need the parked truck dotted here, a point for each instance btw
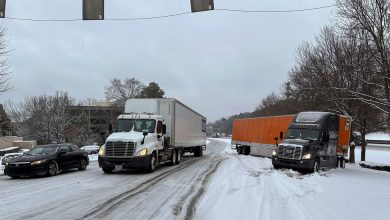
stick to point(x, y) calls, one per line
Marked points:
point(152, 132)
point(308, 141)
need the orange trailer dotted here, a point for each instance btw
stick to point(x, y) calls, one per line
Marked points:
point(260, 133)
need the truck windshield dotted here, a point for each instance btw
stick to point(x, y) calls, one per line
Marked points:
point(140, 125)
point(306, 134)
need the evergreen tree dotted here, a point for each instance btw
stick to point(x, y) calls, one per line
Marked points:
point(5, 123)
point(153, 90)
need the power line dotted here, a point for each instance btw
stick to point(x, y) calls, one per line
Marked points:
point(275, 11)
point(171, 15)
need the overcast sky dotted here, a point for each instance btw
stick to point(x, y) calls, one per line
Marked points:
point(219, 63)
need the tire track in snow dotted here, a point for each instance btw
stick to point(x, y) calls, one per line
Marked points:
point(191, 208)
point(179, 205)
point(107, 207)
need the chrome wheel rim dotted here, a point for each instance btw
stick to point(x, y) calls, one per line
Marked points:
point(52, 169)
point(83, 164)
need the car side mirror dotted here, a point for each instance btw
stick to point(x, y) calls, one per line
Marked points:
point(164, 129)
point(62, 152)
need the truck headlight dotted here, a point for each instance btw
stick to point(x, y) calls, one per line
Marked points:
point(274, 153)
point(102, 150)
point(37, 162)
point(142, 152)
point(306, 157)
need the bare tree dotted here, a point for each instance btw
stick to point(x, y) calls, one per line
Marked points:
point(118, 92)
point(43, 117)
point(5, 74)
point(335, 74)
point(372, 19)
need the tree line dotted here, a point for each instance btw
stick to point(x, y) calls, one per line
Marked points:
point(45, 117)
point(346, 70)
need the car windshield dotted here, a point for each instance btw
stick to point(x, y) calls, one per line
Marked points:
point(306, 134)
point(47, 150)
point(140, 125)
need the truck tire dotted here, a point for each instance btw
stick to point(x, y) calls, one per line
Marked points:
point(173, 157)
point(178, 156)
point(246, 150)
point(316, 166)
point(108, 169)
point(152, 163)
point(276, 167)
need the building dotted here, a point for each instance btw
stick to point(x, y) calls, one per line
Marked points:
point(101, 115)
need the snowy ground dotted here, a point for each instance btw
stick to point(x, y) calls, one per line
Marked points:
point(221, 185)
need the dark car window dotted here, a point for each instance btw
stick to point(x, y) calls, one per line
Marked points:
point(74, 148)
point(66, 148)
point(48, 150)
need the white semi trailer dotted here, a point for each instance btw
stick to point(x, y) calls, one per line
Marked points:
point(152, 132)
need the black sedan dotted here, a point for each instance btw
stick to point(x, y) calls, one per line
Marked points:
point(47, 160)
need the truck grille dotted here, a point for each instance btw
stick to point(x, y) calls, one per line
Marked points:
point(290, 152)
point(119, 149)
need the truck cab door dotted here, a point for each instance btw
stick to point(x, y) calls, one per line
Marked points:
point(160, 135)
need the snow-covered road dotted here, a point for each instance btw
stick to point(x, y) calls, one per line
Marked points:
point(221, 185)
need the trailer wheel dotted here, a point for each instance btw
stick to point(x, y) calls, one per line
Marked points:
point(246, 150)
point(178, 156)
point(197, 151)
point(173, 157)
point(239, 149)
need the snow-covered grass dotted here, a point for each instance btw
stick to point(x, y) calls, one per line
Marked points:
point(376, 155)
point(378, 136)
point(247, 187)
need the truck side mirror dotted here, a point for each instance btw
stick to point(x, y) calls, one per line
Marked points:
point(110, 128)
point(144, 133)
point(325, 137)
point(164, 129)
point(281, 135)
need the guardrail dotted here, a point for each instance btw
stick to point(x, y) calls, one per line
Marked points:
point(378, 142)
